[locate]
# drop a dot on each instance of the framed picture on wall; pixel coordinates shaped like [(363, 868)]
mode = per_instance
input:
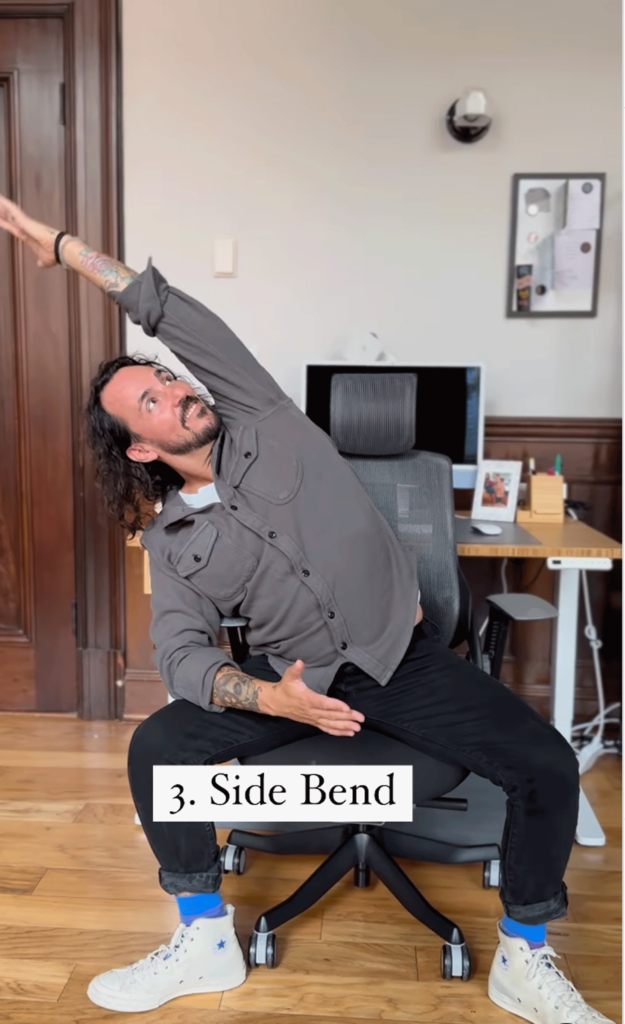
[(555, 245), (496, 491)]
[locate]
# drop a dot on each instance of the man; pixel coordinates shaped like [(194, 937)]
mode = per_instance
[(260, 514)]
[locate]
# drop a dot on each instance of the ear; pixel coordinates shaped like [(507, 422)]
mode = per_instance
[(141, 453)]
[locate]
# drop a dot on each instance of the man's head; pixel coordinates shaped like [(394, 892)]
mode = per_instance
[(142, 422), (164, 415)]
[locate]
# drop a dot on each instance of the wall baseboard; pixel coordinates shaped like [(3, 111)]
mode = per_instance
[(144, 693)]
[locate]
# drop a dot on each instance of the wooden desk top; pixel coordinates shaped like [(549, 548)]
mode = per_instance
[(568, 539)]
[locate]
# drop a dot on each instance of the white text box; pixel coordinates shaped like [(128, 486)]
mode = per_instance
[(297, 793)]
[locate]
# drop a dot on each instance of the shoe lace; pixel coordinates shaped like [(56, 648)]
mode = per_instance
[(558, 989), (164, 952)]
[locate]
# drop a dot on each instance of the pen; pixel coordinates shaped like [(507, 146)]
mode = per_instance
[(558, 465), (532, 463)]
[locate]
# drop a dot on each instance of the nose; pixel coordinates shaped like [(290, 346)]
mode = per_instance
[(177, 393)]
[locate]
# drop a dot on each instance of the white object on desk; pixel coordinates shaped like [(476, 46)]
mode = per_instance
[(488, 529), (564, 658)]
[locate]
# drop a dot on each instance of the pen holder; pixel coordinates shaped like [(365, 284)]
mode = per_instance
[(545, 500)]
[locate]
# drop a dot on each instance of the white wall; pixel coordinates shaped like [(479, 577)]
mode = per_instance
[(312, 132)]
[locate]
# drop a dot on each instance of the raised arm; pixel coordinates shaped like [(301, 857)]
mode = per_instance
[(241, 387), (108, 274)]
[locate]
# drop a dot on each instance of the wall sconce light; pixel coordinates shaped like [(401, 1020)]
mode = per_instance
[(467, 120)]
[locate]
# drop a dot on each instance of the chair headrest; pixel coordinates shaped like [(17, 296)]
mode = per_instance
[(373, 413)]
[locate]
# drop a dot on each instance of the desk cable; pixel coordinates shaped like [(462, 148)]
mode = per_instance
[(588, 744), (504, 584)]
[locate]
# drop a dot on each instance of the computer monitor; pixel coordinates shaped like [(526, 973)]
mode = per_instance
[(449, 413)]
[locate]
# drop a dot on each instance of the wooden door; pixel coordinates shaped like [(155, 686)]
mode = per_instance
[(37, 559), (56, 544)]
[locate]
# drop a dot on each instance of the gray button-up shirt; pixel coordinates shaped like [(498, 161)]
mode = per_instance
[(295, 544)]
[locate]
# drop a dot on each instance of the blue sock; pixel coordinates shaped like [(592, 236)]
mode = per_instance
[(534, 934), (204, 904)]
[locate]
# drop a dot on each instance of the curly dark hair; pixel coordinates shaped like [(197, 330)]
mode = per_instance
[(131, 489)]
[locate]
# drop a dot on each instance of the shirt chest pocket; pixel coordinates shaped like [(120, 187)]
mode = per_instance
[(217, 567), (266, 468)]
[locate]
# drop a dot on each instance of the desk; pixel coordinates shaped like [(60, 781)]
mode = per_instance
[(567, 540)]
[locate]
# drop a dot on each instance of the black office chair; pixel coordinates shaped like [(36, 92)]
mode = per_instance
[(373, 426)]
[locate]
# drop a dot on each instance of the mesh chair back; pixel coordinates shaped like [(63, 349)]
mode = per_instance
[(373, 424), (373, 414), (414, 493)]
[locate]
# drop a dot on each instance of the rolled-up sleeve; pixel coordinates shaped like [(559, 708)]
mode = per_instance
[(204, 343), (185, 630)]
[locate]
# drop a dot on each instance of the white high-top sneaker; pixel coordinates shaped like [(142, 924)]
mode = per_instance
[(204, 956), (526, 982)]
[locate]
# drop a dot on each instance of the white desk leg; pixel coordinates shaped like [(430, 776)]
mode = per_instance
[(589, 831), (564, 660), (564, 651)]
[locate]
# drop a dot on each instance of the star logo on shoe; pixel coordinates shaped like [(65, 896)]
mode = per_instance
[(220, 946), (504, 963)]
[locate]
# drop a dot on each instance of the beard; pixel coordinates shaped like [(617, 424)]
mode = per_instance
[(207, 431)]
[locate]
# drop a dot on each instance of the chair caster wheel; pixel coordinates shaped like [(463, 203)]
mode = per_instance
[(491, 878), (263, 949), (455, 962), (233, 859)]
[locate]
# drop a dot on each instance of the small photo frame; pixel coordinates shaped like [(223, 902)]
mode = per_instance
[(497, 491)]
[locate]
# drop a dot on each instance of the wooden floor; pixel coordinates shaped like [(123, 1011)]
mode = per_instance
[(79, 895)]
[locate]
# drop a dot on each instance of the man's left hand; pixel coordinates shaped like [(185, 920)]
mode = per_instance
[(38, 237)]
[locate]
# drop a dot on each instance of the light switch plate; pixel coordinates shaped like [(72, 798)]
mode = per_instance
[(225, 258)]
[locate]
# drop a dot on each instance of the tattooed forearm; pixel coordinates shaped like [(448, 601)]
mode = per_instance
[(107, 273), (110, 274), (233, 689)]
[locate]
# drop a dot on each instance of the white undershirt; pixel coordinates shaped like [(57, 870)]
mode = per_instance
[(206, 495)]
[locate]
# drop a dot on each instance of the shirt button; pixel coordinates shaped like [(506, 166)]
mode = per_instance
[(305, 572), (234, 508), (331, 615), (343, 646), (247, 455), (197, 558), (272, 534)]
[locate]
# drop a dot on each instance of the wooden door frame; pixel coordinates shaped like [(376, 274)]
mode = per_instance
[(93, 169)]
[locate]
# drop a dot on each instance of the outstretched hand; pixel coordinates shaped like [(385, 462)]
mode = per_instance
[(291, 698), (38, 237)]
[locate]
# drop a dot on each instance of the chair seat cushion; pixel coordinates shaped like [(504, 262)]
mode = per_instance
[(430, 777), (523, 607)]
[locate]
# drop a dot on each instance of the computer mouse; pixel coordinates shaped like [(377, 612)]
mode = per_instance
[(489, 529)]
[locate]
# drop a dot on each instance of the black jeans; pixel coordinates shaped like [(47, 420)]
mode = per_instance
[(435, 702)]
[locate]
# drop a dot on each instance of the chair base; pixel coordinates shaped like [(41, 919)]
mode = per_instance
[(361, 848)]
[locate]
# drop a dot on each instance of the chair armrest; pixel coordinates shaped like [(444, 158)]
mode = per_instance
[(523, 607), (235, 628), (475, 649)]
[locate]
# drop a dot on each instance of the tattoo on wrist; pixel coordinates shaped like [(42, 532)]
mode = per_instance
[(114, 276), (234, 689)]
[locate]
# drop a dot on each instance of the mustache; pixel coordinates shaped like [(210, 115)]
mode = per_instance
[(208, 430), (187, 404)]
